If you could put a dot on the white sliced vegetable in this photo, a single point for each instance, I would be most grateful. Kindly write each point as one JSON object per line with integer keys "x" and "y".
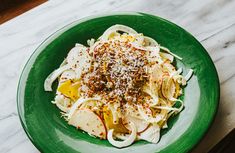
{"x": 150, "y": 41}
{"x": 125, "y": 143}
{"x": 180, "y": 70}
{"x": 181, "y": 106}
{"x": 137, "y": 46}
{"x": 188, "y": 76}
{"x": 167, "y": 56}
{"x": 122, "y": 136}
{"x": 79, "y": 60}
{"x": 62, "y": 102}
{"x": 139, "y": 39}
{"x": 90, "y": 42}
{"x": 171, "y": 89}
{"x": 67, "y": 75}
{"x": 154, "y": 51}
{"x": 61, "y": 107}
{"x": 132, "y": 110}
{"x": 63, "y": 63}
{"x": 79, "y": 45}
{"x": 168, "y": 67}
{"x": 95, "y": 45}
{"x": 154, "y": 55}
{"x": 116, "y": 28}
{"x": 167, "y": 50}
{"x": 53, "y": 76}
{"x": 152, "y": 134}
{"x": 175, "y": 73}
{"x": 89, "y": 104}
{"x": 167, "y": 108}
{"x": 180, "y": 79}
{"x": 88, "y": 121}
{"x": 148, "y": 117}
{"x": 153, "y": 94}
{"x": 78, "y": 103}
{"x": 156, "y": 74}
{"x": 173, "y": 109}
{"x": 168, "y": 88}
{"x": 141, "y": 125}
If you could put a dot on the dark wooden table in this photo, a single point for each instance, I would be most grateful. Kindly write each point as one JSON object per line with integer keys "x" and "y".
{"x": 12, "y": 8}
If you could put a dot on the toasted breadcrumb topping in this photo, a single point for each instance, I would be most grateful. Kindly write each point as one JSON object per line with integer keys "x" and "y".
{"x": 118, "y": 71}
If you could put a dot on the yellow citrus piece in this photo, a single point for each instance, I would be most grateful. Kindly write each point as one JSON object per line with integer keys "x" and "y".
{"x": 70, "y": 89}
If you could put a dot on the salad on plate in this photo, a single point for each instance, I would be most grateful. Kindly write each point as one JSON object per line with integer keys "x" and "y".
{"x": 122, "y": 87}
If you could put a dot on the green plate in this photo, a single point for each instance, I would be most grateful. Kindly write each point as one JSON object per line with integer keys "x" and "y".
{"x": 49, "y": 132}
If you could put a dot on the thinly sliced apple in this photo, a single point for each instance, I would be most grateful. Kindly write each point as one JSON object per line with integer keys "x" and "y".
{"x": 108, "y": 118}
{"x": 93, "y": 105}
{"x": 151, "y": 134}
{"x": 89, "y": 122}
{"x": 141, "y": 125}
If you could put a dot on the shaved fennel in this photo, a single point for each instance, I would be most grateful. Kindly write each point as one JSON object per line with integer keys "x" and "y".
{"x": 125, "y": 143}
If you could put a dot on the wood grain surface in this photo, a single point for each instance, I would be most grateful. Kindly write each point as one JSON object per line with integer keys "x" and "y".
{"x": 12, "y": 8}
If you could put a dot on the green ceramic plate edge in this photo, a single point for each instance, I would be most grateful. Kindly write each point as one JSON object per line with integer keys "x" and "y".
{"x": 173, "y": 147}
